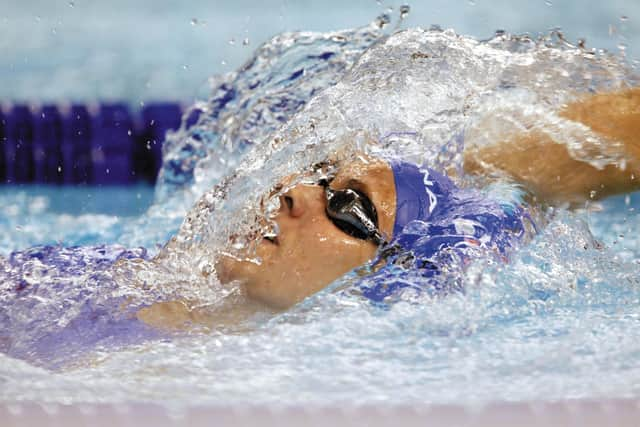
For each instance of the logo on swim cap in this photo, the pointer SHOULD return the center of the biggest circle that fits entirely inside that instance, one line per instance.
(428, 185)
(413, 202)
(417, 193)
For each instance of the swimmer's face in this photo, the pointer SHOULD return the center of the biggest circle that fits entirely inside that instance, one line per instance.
(311, 251)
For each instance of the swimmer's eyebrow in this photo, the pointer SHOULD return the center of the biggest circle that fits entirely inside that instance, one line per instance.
(344, 182)
(356, 184)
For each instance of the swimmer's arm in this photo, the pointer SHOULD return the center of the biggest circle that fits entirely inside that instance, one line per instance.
(548, 170)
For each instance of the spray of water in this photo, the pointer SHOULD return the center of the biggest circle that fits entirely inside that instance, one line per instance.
(418, 95)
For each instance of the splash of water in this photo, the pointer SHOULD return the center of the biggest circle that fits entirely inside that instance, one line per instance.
(416, 95)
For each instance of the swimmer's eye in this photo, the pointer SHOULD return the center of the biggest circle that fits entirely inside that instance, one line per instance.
(353, 213)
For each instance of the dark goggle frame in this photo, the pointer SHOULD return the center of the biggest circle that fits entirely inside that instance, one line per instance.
(352, 212)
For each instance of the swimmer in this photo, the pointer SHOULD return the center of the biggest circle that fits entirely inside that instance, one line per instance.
(329, 228)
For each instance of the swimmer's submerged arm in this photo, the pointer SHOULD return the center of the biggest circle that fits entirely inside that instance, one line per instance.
(182, 315)
(546, 166)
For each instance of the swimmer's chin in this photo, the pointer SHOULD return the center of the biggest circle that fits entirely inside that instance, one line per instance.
(231, 269)
(227, 269)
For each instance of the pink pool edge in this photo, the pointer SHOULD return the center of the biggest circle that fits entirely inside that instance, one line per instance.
(608, 412)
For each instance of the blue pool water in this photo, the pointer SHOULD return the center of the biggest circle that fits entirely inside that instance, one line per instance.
(37, 215)
(558, 320)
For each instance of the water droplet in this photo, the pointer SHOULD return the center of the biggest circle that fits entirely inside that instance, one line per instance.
(404, 10)
(72, 4)
(633, 177)
(592, 193)
(38, 18)
(59, 168)
(624, 18)
(245, 41)
(232, 41)
(18, 228)
(622, 46)
(185, 67)
(129, 132)
(223, 62)
(383, 20)
(612, 29)
(472, 2)
(548, 2)
(194, 21)
(627, 200)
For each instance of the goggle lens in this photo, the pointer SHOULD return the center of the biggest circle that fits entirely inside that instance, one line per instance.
(353, 213)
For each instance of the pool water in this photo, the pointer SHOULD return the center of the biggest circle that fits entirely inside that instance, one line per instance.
(37, 215)
(558, 320)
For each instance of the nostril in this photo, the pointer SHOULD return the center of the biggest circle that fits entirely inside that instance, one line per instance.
(289, 201)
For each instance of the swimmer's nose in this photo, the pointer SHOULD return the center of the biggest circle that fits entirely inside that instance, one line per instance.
(298, 200)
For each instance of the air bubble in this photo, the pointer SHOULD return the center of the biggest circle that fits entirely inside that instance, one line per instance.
(245, 41)
(129, 132)
(232, 41)
(72, 4)
(548, 2)
(624, 18)
(194, 21)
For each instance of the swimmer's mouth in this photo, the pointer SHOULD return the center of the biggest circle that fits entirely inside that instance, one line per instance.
(272, 238)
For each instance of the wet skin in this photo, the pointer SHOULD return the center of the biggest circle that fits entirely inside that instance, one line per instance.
(310, 251)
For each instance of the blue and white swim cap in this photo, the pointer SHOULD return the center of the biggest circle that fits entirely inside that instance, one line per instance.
(438, 228)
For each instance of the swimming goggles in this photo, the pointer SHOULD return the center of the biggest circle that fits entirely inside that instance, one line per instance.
(352, 212)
